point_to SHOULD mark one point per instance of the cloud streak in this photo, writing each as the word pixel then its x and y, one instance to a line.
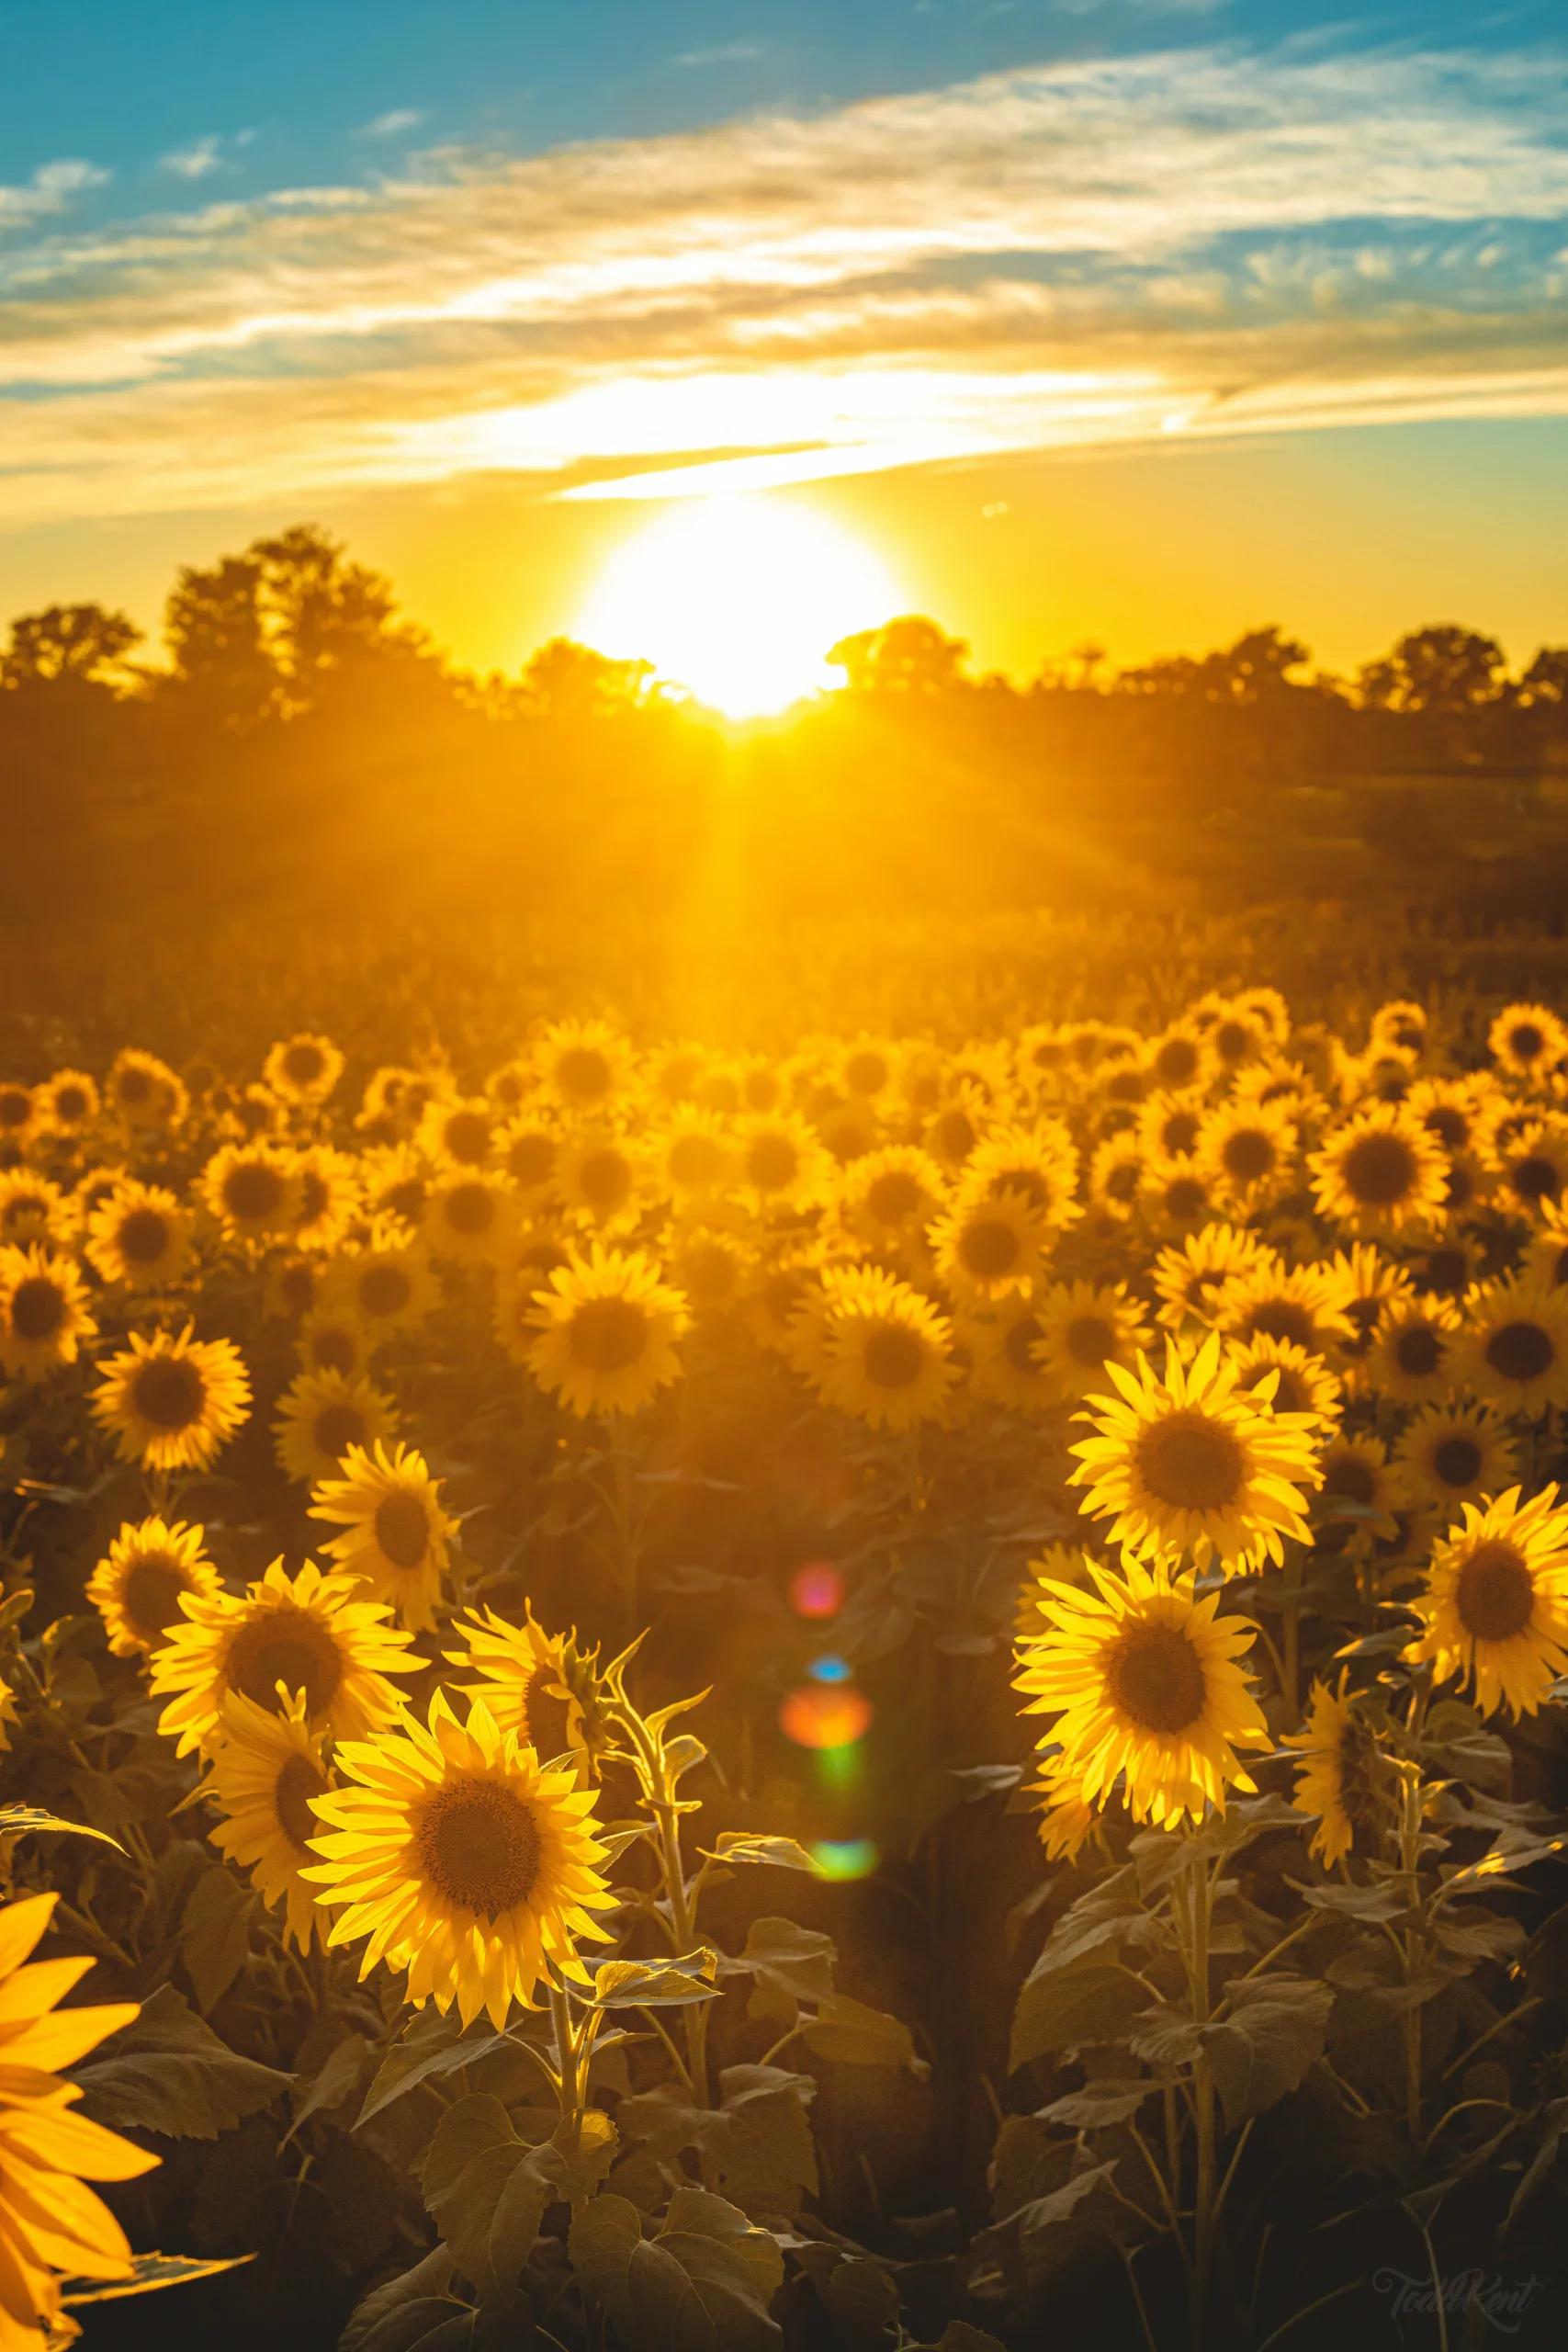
pixel 1208 242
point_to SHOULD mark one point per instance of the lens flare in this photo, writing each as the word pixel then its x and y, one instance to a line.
pixel 816 1589
pixel 815 1717
pixel 830 1669
pixel 845 1858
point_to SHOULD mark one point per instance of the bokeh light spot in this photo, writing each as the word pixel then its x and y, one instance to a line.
pixel 814 1716
pixel 845 1858
pixel 816 1589
pixel 830 1669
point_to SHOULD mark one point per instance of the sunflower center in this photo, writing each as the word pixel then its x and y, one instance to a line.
pixel 299 1780
pixel 893 1357
pixel 406 1198
pixel 37 1307
pixel 1177 1061
pixel 696 1159
pixel 1156 1677
pixel 384 1290
pixel 771 1161
pixel 1231 1040
pixel 1248 1155
pixel 547 1721
pixel 956 1138
pixel 892 1197
pixel 1448 1124
pixel 605 1177
pixel 1191 1462
pixel 1020 1343
pixel 1526 1040
pixel 1282 1319
pixel 584 1071
pixel 133 1085
pixel 253 1190
pixel 1091 1340
pixel 866 1073
pixel 71 1103
pixel 1520 1351
pixel 169 1392
pixel 288 1647
pixel 304 1064
pixel 403 1528
pixel 608 1334
pixel 531 1158
pixel 1536 1177
pixel 16 1106
pixel 1497 1593
pixel 337 1427
pixel 470 1208
pixel 1447 1270
pixel 990 1248
pixel 1379 1169
pixel 479 1845
pixel 151 1594
pixel 1457 1461
pixel 334 1351
pixel 468 1137
pixel 1418 1352
pixel 1184 1198
pixel 1352 1478
pixel 144 1236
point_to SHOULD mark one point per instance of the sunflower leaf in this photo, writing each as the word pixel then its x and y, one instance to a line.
pixel 1262 2048
pixel 784 1853
pixel 167 2072
pixel 847 2031
pixel 21 1820
pixel 150 2272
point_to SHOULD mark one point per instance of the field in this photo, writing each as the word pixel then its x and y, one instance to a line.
pixel 841 1631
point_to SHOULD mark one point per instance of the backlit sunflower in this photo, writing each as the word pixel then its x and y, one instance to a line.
pixel 310 1632
pixel 321 1415
pixel 31 1208
pixel 1039 1162
pixel 1189 1279
pixel 527 1153
pixel 266 1771
pixel 599 1177
pixel 457 1131
pixel 1085 1328
pixel 1194 1467
pixel 1495 1605
pixel 1401 1021
pixel 458 1857
pixel 395 1184
pixel 139 1585
pixel 1146 1687
pixel 19 1114
pixel 145 1091
pixel 1413 1355
pixel 251 1189
pixel 1306 1304
pixel 1533 1167
pixel 1003 1347
pixel 582 1065
pixel 293 1286
pixel 470 1217
pixel 1454 1110
pixel 1067 1822
pixel 1173 1196
pixel 1058 1564
pixel 536 1256
pixel 710 1263
pixel 1515 1346
pixel 43 1312
pixel 885 1353
pixel 1181 1060
pixel 525 1682
pixel 1380 1172
pixel 1249 1153
pixel 1547 1259
pixel 67 1102
pixel 327 1196
pixel 780 1163
pixel 387 1286
pixel 691 1157
pixel 1526 1040
pixel 329 1341
pixel 141 1237
pixel 789 1286
pixel 172 1400
pixel 988 1248
pixel 1116 1177
pixel 606 1327
pixel 1457 1454
pixel 891 1196
pixel 397 1535
pixel 1304 1384
pixel 1344 1777
pixel 50 2224
pixel 302 1069
pixel 956 1128
pixel 1357 1471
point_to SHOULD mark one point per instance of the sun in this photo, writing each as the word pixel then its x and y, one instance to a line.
pixel 738 599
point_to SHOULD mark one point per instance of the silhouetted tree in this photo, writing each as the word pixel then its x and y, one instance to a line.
pixel 328 619
pixel 1440 669
pixel 216 630
pixel 67 643
pixel 565 680
pixel 909 656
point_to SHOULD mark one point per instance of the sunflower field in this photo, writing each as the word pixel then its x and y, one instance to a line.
pixel 891 1693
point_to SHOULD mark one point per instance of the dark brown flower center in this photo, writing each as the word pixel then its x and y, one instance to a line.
pixel 334 1349
pixel 37 1307
pixel 467 1136
pixel 384 1290
pixel 1447 1271
pixel 605 1177
pixel 1352 1476
pixel 1248 1155
pixel 1175 1061
pixel 470 1209
pixel 547 1721
pixel 1418 1352
pixel 1185 1198
pixel 151 1593
pixel 1232 1040
pixel 771 1161
pixel 144 1236
pixel 168 1391
pixel 955 1135
pixel 304 1063
pixel 337 1427
pixel 1191 1462
pixel 406 1198
pixel 1536 1177
pixel 1520 1351
pixel 893 1357
pixel 1379 1169
pixel 253 1190
pixel 16 1106
pixel 1020 1343
pixel 70 1103
pixel 1155 1676
pixel 531 1158
pixel 608 1334
pixel 401 1526
pixel 584 1073
pixel 894 1197
pixel 1526 1040
pixel 988 1247
pixel 133 1085
pixel 696 1159
pixel 1282 1319
pixel 1497 1594
pixel 1457 1461
pixel 1091 1340
pixel 866 1072
pixel 298 1783
pixel 479 1844
pixel 1448 1124
pixel 285 1644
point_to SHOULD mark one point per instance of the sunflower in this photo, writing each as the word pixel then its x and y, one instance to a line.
pixel 20 1111
pixel 720 1086
pixel 989 1246
pixel 321 1415
pixel 1146 1684
pixel 470 1217
pixel 956 1128
pixel 1547 1259
pixel 1004 1349
pixel 327 1196
pixel 711 1263
pixel 139 1584
pixel 397 1534
pixel 50 2222
pixel 387 1286
pixel 457 1131
pixel 1457 1454
pixel 1515 1348
pixel 266 1771
pixel 1085 1329
pixel 251 1189
pixel 537 1256
pixel 523 1682
pixel 789 1286
pixel 1533 1167
pixel 294 1285
pixel 1344 1777
pixel 329 1341
pixel 144 1090
pixel 582 1065
pixel 1173 1194
pixel 1496 1604
pixel 1181 1059
pixel 527 1153
pixel 1041 1162
pixel 141 1237
pixel 310 1632
pixel 674 1072
pixel 31 1208
pixel 1357 1470
pixel 508 1088
pixel 1306 1304
pixel 1247 1152
pixel 1067 1822
pixel 1304 1384
pixel 867 1066
pixel 68 1102
pixel 891 1196
pixel 599 1177
pixel 1058 1564
pixel 1242 1029
pixel 173 1400
pixel 1116 1177
pixel 880 1349
pixel 606 1330
pixel 780 1163
pixel 303 1069
pixel 1373 1285
pixel 395 1186
pixel 1454 1110
pixel 1192 1465
pixel 43 1312
pixel 1414 1356
pixel 1380 1172
pixel 847 1126
pixel 1400 1022
pixel 460 1859
pixel 692 1157
pixel 1526 1040
pixel 1187 1279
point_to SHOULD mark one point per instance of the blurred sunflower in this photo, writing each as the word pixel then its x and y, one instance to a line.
pixel 20 1113
pixel 1533 1167
pixel 989 1247
pixel 691 1157
pixel 302 1069
pixel 1189 1279
pixel 1380 1172
pixel 583 1066
pixel 1303 1385
pixel 1146 1684
pixel 457 1857
pixel 310 1632
pixel 1413 1355
pixel 457 1131
pixel 395 1186
pixel 1247 1152
pixel 31 1208
pixel 293 1286
pixel 251 1189
pixel 172 1400
pixel 1085 1329
pixel 891 1196
pixel 397 1534
pixel 321 1415
pixel 329 1341
pixel 1496 1604
pixel 1306 1304
pixel 141 1237
pixel 50 2222
pixel 1454 1110
pixel 711 1264
pixel 470 1217
pixel 1344 1777
pixel 144 1090
pixel 527 1153
pixel 1116 1177
pixel 1173 1194
pixel 266 1772
pixel 1040 1162
pixel 788 1286
pixel 957 1127
pixel 1181 1060
pixel 525 1682
pixel 521 1279
pixel 327 1196
pixel 1457 1454
pixel 1356 1470
pixel 780 1163
pixel 1194 1467
pixel 68 1102
pixel 43 1312
pixel 387 1286
pixel 1515 1346
pixel 138 1587
pixel 1401 1022
pixel 508 1088
pixel 1526 1040
pixel 599 1177
pixel 886 1351
pixel 1005 1349
pixel 606 1327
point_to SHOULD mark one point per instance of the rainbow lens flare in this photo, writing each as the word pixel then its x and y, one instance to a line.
pixel 816 1589
pixel 818 1716
pixel 845 1858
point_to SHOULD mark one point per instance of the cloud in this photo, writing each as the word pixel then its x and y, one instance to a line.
pixel 195 162
pixel 387 125
pixel 729 53
pixel 50 189
pixel 1058 255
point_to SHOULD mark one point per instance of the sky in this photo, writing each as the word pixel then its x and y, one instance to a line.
pixel 1138 323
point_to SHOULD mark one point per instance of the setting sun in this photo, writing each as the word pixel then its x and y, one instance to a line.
pixel 739 600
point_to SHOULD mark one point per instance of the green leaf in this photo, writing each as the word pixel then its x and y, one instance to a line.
pixel 655 1984
pixel 600 2241
pixel 215 1935
pixel 1050 2213
pixel 151 2271
pixel 1273 2030
pixel 857 2036
pixel 433 2046
pixel 863 2304
pixel 336 2082
pixel 756 2145
pixel 487 2191
pixel 788 1959
pixel 167 2072
pixel 703 2284
pixel 22 1820
pixel 376 2316
pixel 1109 1912
pixel 1097 2104
pixel 1165 2035
pixel 1094 2003
pixel 784 1853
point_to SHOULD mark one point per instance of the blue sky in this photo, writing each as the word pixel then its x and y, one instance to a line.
pixel 264 262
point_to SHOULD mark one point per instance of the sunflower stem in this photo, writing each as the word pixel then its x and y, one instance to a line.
pixel 1410 1863
pixel 566 2053
pixel 1291 1665
pixel 1204 2203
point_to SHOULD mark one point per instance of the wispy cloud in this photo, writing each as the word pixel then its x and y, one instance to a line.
pixel 50 189
pixel 729 53
pixel 387 126
pixel 1208 242
pixel 195 162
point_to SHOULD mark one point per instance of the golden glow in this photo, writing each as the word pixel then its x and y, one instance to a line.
pixel 738 599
